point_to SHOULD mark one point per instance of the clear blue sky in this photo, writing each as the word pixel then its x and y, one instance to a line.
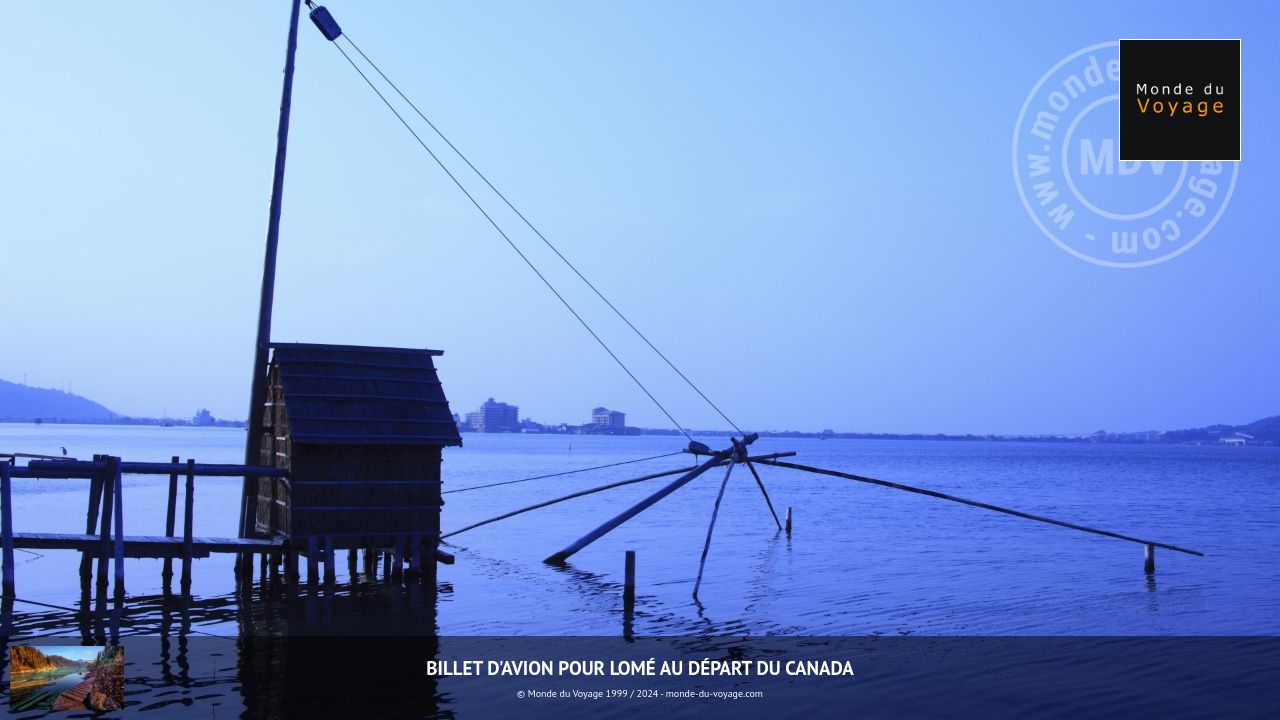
pixel 808 205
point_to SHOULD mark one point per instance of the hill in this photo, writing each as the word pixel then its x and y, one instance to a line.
pixel 25 658
pixel 21 403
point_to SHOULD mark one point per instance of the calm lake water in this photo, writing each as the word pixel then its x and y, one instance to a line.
pixel 866 563
pixel 861 560
pixel 38 690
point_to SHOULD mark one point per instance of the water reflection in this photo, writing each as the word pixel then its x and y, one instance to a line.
pixel 270 649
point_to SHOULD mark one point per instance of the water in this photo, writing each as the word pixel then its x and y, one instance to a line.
pixel 38 690
pixel 867 563
pixel 862 559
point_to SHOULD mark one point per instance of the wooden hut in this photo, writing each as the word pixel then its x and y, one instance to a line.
pixel 360 430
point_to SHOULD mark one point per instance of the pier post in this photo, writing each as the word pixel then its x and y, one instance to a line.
pixel 313 574
pixel 330 559
pixel 104 526
pixel 188 522
pixel 386 565
pixel 91 521
pixel 291 565
pixel 629 583
pixel 6 529
pixel 351 564
pixel 1149 560
pixel 117 485
pixel 397 559
pixel 369 561
pixel 415 558
pixel 788 521
pixel 170 519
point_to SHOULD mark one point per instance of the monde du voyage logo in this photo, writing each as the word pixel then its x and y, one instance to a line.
pixel 1130 164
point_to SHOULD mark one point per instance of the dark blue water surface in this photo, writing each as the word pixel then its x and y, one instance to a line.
pixel 864 568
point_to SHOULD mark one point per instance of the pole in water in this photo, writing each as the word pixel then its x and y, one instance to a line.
pixel 118 563
pixel 261 349
pixel 629 583
pixel 6 497
pixel 1149 559
pixel 632 511
pixel 788 521
pixel 707 545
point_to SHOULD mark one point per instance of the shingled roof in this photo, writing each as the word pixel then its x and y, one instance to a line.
pixel 355 395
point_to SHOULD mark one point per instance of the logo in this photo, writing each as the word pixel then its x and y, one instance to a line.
pixel 1082 196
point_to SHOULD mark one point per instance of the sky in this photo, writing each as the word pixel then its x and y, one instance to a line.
pixel 809 207
pixel 71 652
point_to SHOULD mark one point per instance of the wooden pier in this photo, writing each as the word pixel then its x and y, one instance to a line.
pixel 104 538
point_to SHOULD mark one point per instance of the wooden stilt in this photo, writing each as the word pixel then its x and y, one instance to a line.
pixel 170 519
pixel 6 530
pixel 351 565
pixel 188 522
pixel 104 525
pixel 397 559
pixel 313 574
pixel 415 558
pixel 91 520
pixel 291 565
pixel 629 583
pixel 369 561
pixel 330 560
pixel 1149 560
pixel 788 522
pixel 118 565
pixel 386 564
pixel 262 566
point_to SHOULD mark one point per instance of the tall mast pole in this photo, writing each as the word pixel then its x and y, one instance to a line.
pixel 261 348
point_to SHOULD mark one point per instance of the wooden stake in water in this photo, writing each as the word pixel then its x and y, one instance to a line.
pixel 170 519
pixel 188 522
pixel 104 535
pixel 118 486
pixel 788 522
pixel 629 583
pixel 6 528
pixel 714 512
pixel 1149 559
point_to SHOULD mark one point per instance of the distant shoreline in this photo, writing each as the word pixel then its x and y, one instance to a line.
pixel 1213 435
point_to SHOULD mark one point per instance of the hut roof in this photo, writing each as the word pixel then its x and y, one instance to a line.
pixel 355 395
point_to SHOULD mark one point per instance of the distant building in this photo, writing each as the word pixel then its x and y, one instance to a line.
pixel 494 417
pixel 607 422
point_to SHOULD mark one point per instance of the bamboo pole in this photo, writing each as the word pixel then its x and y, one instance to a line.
pixel 585 540
pixel 590 491
pixel 764 492
pixel 570 496
pixel 715 511
pixel 975 503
